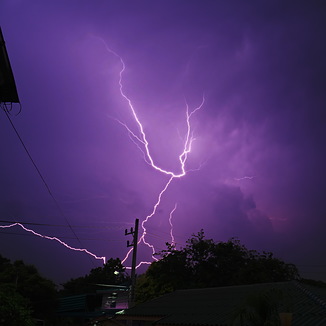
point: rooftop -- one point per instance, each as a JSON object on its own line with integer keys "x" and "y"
{"x": 217, "y": 306}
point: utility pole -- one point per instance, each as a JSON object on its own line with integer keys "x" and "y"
{"x": 134, "y": 243}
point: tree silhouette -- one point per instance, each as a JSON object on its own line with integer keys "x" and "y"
{"x": 28, "y": 288}
{"x": 205, "y": 263}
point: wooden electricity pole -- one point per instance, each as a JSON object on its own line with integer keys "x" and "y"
{"x": 134, "y": 258}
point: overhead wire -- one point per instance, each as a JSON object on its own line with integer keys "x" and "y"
{"x": 6, "y": 110}
{"x": 28, "y": 154}
{"x": 154, "y": 235}
{"x": 70, "y": 226}
{"x": 8, "y": 107}
{"x": 60, "y": 237}
{"x": 62, "y": 225}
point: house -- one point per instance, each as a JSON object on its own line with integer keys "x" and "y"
{"x": 219, "y": 306}
{"x": 104, "y": 301}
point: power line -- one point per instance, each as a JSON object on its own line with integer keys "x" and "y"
{"x": 168, "y": 233}
{"x": 28, "y": 153}
{"x": 60, "y": 237}
{"x": 40, "y": 174}
{"x": 163, "y": 237}
{"x": 62, "y": 225}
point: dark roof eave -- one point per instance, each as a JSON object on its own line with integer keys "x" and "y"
{"x": 140, "y": 317}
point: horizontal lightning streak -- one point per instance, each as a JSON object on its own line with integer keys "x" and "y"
{"x": 143, "y": 145}
{"x": 6, "y": 110}
{"x": 53, "y": 238}
{"x": 245, "y": 177}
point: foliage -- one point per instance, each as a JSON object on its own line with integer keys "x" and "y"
{"x": 205, "y": 263}
{"x": 165, "y": 277}
{"x": 27, "y": 288}
{"x": 112, "y": 273}
{"x": 14, "y": 308}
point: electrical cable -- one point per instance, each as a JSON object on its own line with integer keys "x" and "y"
{"x": 40, "y": 175}
{"x": 59, "y": 237}
{"x": 63, "y": 225}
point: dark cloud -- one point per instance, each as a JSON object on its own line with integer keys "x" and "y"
{"x": 256, "y": 168}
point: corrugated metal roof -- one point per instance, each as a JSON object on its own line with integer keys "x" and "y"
{"x": 72, "y": 303}
{"x": 194, "y": 319}
{"x": 217, "y": 306}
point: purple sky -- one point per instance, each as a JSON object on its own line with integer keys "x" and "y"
{"x": 262, "y": 69}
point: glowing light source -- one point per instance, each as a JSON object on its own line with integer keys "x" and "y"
{"x": 142, "y": 143}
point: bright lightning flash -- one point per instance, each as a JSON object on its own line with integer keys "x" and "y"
{"x": 171, "y": 225}
{"x": 142, "y": 143}
{"x": 53, "y": 238}
{"x": 244, "y": 178}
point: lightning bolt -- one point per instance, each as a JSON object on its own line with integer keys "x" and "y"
{"x": 171, "y": 225}
{"x": 142, "y": 143}
{"x": 55, "y": 239}
{"x": 244, "y": 178}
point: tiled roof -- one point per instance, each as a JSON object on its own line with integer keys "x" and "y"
{"x": 216, "y": 306}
